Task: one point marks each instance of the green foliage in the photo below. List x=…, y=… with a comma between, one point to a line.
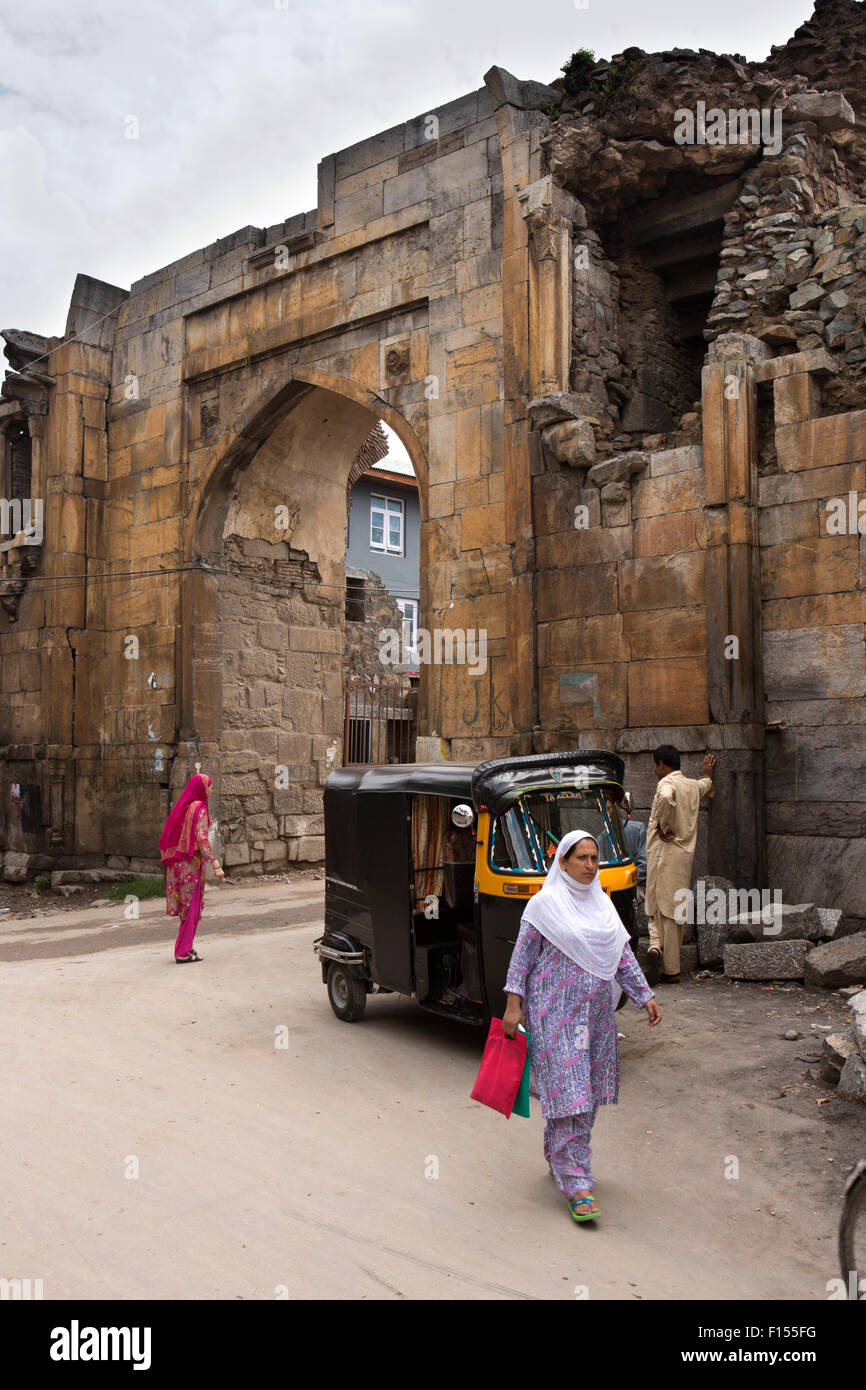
x=136, y=887
x=614, y=85
x=42, y=883
x=576, y=71
x=607, y=89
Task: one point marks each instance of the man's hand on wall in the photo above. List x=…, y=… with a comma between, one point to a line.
x=708, y=766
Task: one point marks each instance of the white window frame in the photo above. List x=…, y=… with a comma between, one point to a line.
x=409, y=606
x=388, y=507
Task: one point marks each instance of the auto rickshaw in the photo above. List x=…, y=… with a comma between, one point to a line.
x=428, y=867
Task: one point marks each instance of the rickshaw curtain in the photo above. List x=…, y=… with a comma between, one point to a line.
x=429, y=823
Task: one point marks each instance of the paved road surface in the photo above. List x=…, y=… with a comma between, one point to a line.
x=304, y=1169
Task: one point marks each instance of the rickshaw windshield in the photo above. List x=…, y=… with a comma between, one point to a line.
x=525, y=838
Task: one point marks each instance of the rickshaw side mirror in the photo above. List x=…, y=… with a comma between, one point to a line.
x=462, y=816
x=627, y=801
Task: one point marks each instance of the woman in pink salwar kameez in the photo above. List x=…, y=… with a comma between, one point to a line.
x=185, y=849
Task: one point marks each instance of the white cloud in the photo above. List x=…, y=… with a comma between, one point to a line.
x=45, y=238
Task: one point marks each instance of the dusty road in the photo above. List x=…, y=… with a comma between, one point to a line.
x=302, y=1171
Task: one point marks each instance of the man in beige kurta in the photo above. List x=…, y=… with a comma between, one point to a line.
x=671, y=836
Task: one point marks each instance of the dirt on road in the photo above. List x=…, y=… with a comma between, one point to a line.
x=215, y=1132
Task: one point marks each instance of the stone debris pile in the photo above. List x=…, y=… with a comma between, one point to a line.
x=795, y=941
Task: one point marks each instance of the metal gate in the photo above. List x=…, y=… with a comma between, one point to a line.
x=380, y=719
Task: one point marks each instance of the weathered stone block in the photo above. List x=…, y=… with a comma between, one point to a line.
x=239, y=762
x=857, y=1005
x=16, y=866
x=678, y=632
x=681, y=460
x=239, y=785
x=836, y=1048
x=274, y=636
x=237, y=854
x=550, y=410
x=314, y=639
x=778, y=922
x=672, y=692
x=808, y=664
x=781, y=489
x=584, y=640
x=675, y=581
x=766, y=960
x=620, y=468
x=311, y=848
x=831, y=439
x=852, y=1080
x=828, y=565
x=674, y=492
x=570, y=593
x=257, y=663
x=836, y=963
x=482, y=527
x=584, y=699
x=669, y=535
x=792, y=858
x=571, y=442
x=829, y=110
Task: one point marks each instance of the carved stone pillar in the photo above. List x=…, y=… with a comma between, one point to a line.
x=550, y=215
x=737, y=844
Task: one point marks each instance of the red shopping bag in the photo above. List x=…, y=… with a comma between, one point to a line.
x=498, y=1079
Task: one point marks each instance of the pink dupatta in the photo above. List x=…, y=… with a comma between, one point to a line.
x=177, y=840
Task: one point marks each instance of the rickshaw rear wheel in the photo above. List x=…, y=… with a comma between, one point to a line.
x=346, y=993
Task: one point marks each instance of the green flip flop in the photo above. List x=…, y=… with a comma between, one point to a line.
x=582, y=1202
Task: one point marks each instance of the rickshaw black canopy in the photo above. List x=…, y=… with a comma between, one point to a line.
x=499, y=782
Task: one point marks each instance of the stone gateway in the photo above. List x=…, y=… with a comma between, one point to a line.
x=628, y=369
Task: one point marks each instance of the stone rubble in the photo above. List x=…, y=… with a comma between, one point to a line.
x=766, y=960
x=835, y=963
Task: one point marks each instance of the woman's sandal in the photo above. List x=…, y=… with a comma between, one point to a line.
x=582, y=1202
x=185, y=960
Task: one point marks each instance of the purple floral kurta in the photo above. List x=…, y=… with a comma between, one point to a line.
x=574, y=1056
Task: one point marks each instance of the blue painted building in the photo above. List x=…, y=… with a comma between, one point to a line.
x=384, y=533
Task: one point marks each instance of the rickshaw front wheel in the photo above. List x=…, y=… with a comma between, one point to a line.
x=347, y=994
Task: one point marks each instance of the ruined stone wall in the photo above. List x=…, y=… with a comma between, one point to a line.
x=362, y=648
x=273, y=740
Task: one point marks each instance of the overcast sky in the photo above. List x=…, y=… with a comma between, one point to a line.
x=236, y=101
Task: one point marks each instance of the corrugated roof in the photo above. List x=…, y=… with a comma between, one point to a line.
x=392, y=464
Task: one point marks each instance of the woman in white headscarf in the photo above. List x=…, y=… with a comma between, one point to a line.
x=571, y=959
